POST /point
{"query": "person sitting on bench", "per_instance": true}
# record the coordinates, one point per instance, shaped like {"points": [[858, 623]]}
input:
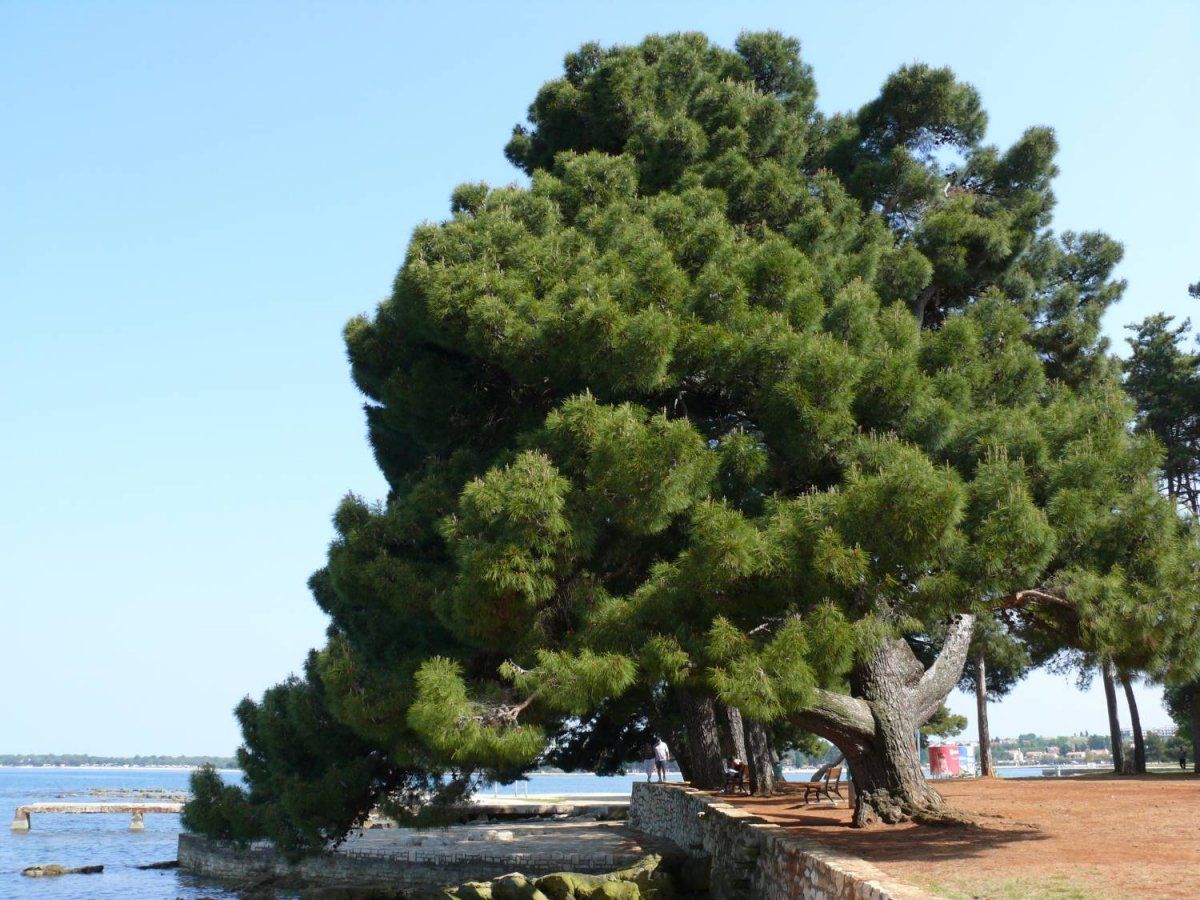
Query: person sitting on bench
{"points": [[735, 775]]}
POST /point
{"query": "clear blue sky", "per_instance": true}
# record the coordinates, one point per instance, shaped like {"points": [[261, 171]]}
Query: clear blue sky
{"points": [[194, 197]]}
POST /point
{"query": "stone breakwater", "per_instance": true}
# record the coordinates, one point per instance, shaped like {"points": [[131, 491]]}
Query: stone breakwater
{"points": [[420, 860], [752, 858]]}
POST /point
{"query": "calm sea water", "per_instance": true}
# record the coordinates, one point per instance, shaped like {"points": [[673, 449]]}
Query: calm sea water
{"points": [[83, 840], [86, 840]]}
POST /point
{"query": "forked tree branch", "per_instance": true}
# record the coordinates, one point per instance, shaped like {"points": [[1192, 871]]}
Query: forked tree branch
{"points": [[940, 678]]}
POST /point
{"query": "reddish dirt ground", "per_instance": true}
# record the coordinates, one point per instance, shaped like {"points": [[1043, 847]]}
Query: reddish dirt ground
{"points": [[1088, 836]]}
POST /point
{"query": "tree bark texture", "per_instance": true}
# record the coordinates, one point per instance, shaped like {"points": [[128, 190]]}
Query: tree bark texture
{"points": [[891, 696], [1135, 724], [1114, 720], [666, 722], [758, 744], [733, 735], [703, 740], [981, 707]]}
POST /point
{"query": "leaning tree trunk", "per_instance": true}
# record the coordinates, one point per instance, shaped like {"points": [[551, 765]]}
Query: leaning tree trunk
{"points": [[1114, 721], [762, 773], [892, 696], [985, 738], [1135, 723], [703, 740]]}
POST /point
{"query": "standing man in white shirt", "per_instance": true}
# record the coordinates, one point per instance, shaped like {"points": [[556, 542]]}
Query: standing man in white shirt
{"points": [[662, 753]]}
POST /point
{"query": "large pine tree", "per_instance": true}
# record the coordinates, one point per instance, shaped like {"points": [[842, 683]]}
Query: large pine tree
{"points": [[731, 407]]}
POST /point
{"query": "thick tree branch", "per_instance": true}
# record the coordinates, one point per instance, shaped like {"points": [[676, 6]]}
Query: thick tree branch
{"points": [[941, 677], [838, 717]]}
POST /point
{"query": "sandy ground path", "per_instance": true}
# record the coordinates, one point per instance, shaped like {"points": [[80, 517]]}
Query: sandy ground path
{"points": [[1082, 837]]}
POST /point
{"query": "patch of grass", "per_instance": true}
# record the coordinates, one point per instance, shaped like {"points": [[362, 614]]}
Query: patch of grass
{"points": [[1050, 887]]}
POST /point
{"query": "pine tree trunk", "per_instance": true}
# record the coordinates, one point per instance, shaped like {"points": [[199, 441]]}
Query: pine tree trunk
{"points": [[1196, 728], [703, 740], [985, 738], [683, 759], [889, 785], [892, 696], [1139, 742], [733, 735], [762, 774], [888, 780], [1114, 721]]}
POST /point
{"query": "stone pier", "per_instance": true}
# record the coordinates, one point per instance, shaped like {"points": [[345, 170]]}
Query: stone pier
{"points": [[136, 811]]}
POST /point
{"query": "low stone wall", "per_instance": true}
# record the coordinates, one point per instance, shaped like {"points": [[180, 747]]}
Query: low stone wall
{"points": [[219, 860], [753, 858], [388, 857]]}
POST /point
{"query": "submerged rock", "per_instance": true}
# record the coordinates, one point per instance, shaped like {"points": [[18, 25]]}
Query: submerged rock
{"points": [[52, 870], [574, 886], [472, 890]]}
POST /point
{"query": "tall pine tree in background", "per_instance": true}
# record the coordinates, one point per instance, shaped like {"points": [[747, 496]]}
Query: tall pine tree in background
{"points": [[735, 407], [1162, 376], [996, 663]]}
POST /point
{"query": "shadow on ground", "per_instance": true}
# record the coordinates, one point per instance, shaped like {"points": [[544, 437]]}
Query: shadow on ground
{"points": [[926, 843]]}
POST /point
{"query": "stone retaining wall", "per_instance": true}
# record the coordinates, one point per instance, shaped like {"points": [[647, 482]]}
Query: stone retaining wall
{"points": [[216, 859], [753, 858], [383, 861]]}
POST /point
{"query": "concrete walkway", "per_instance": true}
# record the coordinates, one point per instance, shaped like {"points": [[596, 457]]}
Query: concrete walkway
{"points": [[596, 807], [580, 846]]}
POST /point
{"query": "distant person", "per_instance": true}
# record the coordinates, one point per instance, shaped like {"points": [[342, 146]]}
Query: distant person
{"points": [[1183, 760], [648, 762], [662, 754]]}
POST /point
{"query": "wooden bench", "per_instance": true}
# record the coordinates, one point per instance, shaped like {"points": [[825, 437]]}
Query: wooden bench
{"points": [[828, 787]]}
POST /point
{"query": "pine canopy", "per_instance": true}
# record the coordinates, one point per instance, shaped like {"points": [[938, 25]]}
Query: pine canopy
{"points": [[728, 392]]}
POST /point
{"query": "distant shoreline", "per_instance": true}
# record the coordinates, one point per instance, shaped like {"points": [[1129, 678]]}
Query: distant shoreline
{"points": [[100, 761], [113, 766]]}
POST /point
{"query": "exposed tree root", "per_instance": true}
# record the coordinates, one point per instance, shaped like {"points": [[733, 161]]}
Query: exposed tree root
{"points": [[947, 817], [883, 807]]}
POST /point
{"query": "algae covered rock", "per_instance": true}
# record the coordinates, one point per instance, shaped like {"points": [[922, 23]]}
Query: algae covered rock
{"points": [[472, 890], [616, 890], [641, 881], [516, 887], [574, 886], [566, 885]]}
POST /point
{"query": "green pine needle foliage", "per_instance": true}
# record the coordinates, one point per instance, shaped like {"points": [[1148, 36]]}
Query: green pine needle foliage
{"points": [[727, 393]]}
